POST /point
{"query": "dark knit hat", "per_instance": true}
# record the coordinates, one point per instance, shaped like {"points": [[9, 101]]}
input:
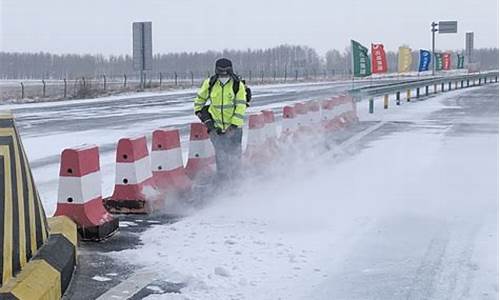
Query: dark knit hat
{"points": [[223, 66]]}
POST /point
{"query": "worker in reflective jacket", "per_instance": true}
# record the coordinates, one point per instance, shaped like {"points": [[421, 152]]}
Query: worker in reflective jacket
{"points": [[223, 116]]}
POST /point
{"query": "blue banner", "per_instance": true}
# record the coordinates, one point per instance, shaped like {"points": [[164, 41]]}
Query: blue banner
{"points": [[425, 60]]}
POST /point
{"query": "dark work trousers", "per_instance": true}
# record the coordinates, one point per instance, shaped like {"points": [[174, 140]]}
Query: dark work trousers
{"points": [[227, 154]]}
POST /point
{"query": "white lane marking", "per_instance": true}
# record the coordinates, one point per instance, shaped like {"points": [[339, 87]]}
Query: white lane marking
{"points": [[131, 286]]}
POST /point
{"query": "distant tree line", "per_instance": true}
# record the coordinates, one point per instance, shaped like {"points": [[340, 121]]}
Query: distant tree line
{"points": [[279, 61]]}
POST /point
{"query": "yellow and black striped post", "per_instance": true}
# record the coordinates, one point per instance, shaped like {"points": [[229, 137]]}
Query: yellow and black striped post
{"points": [[23, 225], [408, 95], [435, 89], [37, 255], [386, 101]]}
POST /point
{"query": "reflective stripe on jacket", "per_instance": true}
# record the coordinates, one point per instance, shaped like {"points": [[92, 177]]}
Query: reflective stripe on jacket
{"points": [[225, 108]]}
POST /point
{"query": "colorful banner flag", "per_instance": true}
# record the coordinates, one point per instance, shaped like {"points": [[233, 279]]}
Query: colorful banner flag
{"points": [[425, 60], [360, 60], [439, 61], [460, 61], [404, 59], [379, 60], [446, 61]]}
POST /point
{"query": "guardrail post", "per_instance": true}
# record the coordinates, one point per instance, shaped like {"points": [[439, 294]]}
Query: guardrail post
{"points": [[408, 95], [456, 85], [65, 88], [386, 101], [426, 90], [44, 87], [418, 92], [442, 86], [192, 78], [398, 98], [479, 81], [468, 83], [461, 84], [22, 90], [496, 78], [449, 86], [435, 88], [104, 83], [124, 80], [370, 106]]}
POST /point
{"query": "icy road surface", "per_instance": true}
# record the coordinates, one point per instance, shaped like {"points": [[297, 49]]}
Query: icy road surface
{"points": [[408, 211]]}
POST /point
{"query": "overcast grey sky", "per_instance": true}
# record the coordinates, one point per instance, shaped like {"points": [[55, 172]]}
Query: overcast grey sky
{"points": [[104, 26]]}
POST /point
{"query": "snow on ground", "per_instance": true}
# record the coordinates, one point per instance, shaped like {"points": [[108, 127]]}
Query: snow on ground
{"points": [[48, 128], [409, 212]]}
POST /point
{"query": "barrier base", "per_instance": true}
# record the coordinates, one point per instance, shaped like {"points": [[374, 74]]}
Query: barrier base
{"points": [[99, 233], [131, 206], [48, 274]]}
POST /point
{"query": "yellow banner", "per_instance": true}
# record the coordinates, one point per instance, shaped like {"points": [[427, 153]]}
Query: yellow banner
{"points": [[404, 59]]}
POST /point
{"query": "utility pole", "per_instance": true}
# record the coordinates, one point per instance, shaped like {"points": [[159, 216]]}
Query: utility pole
{"points": [[443, 27], [433, 30]]}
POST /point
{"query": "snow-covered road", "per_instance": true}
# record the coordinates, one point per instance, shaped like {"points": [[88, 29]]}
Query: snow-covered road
{"points": [[408, 211], [48, 128]]}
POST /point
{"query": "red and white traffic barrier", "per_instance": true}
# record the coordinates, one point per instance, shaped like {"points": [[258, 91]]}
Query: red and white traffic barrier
{"points": [[270, 132], [166, 162], [289, 123], [327, 114], [338, 113], [135, 190], [301, 113], [201, 159], [353, 112], [256, 140], [345, 109], [79, 193], [313, 114]]}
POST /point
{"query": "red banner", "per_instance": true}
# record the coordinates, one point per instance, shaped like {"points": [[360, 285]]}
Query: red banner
{"points": [[379, 61], [446, 61]]}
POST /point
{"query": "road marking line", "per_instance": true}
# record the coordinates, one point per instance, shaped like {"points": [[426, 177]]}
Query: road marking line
{"points": [[131, 286]]}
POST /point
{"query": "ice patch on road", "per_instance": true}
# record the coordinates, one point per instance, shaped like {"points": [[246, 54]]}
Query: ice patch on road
{"points": [[101, 278]]}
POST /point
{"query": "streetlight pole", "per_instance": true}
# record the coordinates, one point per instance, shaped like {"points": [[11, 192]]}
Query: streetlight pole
{"points": [[433, 30]]}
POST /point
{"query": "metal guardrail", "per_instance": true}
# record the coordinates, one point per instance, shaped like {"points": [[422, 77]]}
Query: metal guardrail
{"points": [[445, 83]]}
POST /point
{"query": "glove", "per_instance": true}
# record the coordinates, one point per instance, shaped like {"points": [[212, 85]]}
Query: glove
{"points": [[210, 126], [230, 129]]}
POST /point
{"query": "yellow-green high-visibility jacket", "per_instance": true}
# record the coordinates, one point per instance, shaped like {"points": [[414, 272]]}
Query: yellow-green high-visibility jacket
{"points": [[225, 107]]}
